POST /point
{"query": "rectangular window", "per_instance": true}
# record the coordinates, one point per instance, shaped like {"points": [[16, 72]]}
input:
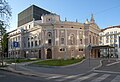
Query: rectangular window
{"points": [[107, 41], [115, 36], [111, 40], [31, 43], [115, 40], [111, 36], [62, 40], [28, 44], [39, 42], [29, 26], [81, 41], [115, 45], [35, 43], [116, 50], [107, 37], [107, 33], [111, 32], [49, 41]]}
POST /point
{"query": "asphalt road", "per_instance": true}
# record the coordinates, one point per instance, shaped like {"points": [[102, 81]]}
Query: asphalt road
{"points": [[94, 76], [11, 77], [97, 77], [105, 73], [72, 70]]}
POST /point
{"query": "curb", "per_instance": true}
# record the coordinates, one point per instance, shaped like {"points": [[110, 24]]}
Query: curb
{"points": [[98, 65], [61, 66], [19, 72], [73, 64], [92, 68], [26, 73]]}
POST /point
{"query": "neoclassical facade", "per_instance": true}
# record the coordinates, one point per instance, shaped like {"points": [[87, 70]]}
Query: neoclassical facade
{"points": [[48, 39], [51, 38]]}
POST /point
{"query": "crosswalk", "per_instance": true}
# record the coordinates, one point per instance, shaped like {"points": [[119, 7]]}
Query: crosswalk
{"points": [[90, 77]]}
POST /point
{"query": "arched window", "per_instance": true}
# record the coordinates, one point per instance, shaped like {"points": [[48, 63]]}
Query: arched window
{"points": [[35, 37], [49, 34]]}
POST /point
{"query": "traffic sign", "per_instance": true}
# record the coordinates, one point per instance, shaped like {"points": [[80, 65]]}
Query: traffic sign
{"points": [[89, 47], [15, 44]]}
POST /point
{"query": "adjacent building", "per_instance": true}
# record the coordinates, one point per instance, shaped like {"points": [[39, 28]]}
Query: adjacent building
{"points": [[43, 35], [111, 36]]}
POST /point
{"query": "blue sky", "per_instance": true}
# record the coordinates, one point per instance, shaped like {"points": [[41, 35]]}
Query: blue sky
{"points": [[106, 12]]}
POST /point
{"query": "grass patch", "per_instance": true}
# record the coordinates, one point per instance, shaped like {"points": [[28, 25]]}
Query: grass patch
{"points": [[60, 62]]}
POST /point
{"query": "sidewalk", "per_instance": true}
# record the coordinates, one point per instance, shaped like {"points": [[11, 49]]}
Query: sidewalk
{"points": [[78, 69], [112, 65]]}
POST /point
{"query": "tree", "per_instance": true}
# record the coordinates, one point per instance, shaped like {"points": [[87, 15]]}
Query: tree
{"points": [[5, 14], [5, 11]]}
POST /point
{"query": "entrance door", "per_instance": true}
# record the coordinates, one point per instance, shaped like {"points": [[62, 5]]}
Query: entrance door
{"points": [[24, 54], [49, 54], [99, 54], [40, 54]]}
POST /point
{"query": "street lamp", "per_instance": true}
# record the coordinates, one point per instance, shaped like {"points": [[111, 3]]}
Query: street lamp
{"points": [[89, 48]]}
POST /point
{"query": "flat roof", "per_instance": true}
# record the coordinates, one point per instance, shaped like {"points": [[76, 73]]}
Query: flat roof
{"points": [[102, 47]]}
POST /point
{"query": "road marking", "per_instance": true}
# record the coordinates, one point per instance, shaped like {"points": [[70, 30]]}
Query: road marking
{"points": [[54, 77], [107, 71], [112, 63], [67, 77], [116, 79], [84, 77], [101, 78]]}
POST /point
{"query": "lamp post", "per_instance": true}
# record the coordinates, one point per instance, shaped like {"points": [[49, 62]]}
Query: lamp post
{"points": [[89, 48]]}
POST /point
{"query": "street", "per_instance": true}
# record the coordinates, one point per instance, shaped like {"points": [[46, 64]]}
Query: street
{"points": [[98, 77], [11, 77], [89, 77], [108, 72]]}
